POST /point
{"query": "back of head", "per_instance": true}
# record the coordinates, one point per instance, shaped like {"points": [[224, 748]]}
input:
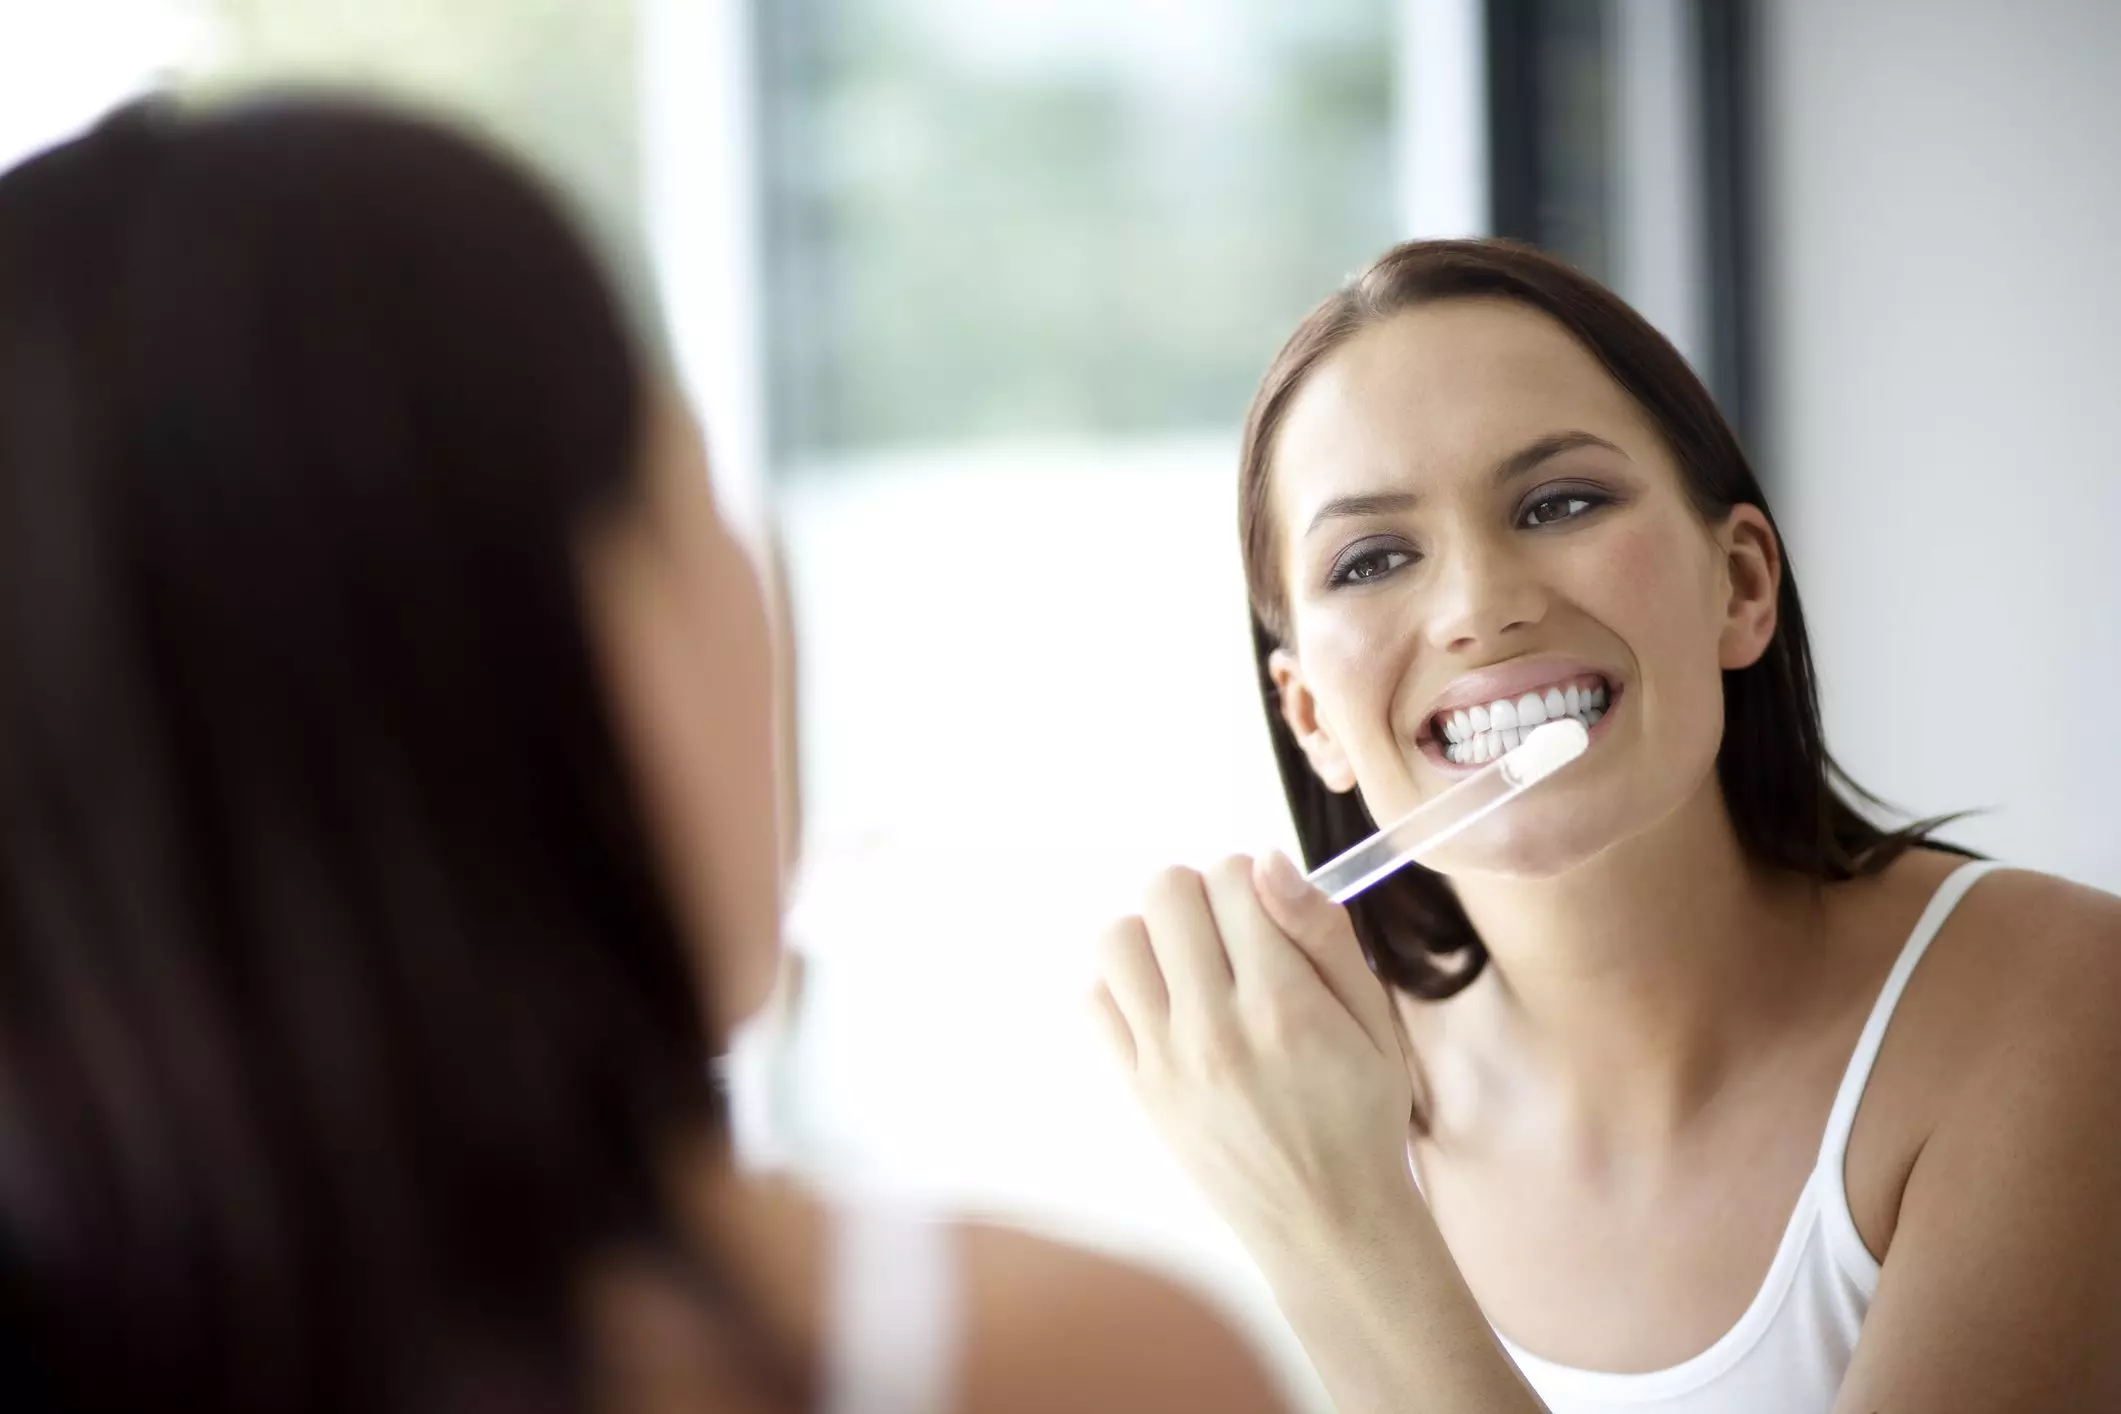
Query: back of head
{"points": [[341, 1015]]}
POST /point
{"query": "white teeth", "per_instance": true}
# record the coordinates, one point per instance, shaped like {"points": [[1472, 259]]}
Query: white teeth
{"points": [[1475, 735]]}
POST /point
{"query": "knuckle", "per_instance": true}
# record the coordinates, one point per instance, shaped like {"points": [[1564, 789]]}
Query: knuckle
{"points": [[1212, 1048], [1230, 878], [1278, 1025], [1172, 884], [1121, 936], [1121, 955]]}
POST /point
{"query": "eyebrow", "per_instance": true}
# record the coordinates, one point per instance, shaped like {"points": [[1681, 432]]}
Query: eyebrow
{"points": [[1511, 467]]}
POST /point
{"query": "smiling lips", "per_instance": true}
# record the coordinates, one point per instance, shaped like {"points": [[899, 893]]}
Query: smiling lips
{"points": [[1471, 735]]}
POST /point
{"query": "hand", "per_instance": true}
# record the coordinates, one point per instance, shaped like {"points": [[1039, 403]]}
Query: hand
{"points": [[1263, 1049]]}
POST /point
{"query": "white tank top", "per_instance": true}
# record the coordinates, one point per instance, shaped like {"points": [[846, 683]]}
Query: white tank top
{"points": [[1790, 1349], [896, 1312]]}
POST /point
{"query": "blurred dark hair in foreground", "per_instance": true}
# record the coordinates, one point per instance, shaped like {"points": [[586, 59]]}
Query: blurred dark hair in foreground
{"points": [[342, 1020]]}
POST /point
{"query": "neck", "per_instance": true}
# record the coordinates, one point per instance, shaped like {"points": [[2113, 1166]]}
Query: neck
{"points": [[1628, 989]]}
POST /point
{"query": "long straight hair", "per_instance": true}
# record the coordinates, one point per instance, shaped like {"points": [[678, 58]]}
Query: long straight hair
{"points": [[343, 1020], [1784, 791]]}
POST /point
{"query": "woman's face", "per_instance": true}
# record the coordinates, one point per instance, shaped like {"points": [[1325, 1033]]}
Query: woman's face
{"points": [[1476, 526], [682, 627]]}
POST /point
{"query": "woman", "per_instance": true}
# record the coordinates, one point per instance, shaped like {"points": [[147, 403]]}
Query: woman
{"points": [[387, 837], [1688, 1117]]}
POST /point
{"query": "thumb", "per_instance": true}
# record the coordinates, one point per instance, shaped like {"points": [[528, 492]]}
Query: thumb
{"points": [[1323, 930], [1296, 905]]}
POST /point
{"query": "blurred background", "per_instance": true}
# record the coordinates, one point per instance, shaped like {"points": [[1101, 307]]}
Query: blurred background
{"points": [[974, 295]]}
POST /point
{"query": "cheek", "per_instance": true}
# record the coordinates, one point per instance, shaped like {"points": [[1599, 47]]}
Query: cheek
{"points": [[1643, 572], [1654, 584], [1354, 660], [697, 710], [737, 793]]}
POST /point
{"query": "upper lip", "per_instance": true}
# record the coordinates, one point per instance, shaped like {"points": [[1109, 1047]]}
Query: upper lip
{"points": [[1509, 679]]}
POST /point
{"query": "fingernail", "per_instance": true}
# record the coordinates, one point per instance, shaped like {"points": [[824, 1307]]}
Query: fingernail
{"points": [[1279, 874]]}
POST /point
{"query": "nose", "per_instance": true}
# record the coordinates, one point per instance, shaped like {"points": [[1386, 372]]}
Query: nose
{"points": [[1482, 599]]}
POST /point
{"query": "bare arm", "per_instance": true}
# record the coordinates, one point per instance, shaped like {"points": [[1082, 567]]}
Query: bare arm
{"points": [[1388, 1321], [2001, 1292]]}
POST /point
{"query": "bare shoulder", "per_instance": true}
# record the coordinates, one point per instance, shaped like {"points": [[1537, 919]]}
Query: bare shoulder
{"points": [[1044, 1328], [2054, 957], [2019, 988], [2007, 1043], [2040, 953], [2018, 942], [2036, 963], [2024, 976], [1061, 1329]]}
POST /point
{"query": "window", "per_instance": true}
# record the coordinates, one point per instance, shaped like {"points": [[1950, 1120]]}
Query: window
{"points": [[557, 81], [1082, 221]]}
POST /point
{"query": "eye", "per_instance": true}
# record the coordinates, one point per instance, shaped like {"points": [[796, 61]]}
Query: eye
{"points": [[1559, 506], [1365, 563]]}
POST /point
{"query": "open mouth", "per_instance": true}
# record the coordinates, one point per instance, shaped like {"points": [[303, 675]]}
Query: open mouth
{"points": [[1475, 735]]}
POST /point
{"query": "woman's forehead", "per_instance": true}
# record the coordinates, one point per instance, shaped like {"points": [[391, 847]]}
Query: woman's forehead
{"points": [[1436, 393]]}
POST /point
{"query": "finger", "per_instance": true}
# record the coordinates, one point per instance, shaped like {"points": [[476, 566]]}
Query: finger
{"points": [[1261, 954], [1189, 950], [1110, 1023], [1322, 929], [1128, 974]]}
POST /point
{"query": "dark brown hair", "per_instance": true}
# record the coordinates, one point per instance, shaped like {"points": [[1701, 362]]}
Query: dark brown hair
{"points": [[344, 1023], [1783, 789]]}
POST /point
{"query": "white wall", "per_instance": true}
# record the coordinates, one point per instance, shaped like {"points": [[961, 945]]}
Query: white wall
{"points": [[63, 66], [1943, 202]]}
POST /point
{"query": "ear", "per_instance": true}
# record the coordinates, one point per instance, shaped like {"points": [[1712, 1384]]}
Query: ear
{"points": [[1299, 712], [1752, 561]]}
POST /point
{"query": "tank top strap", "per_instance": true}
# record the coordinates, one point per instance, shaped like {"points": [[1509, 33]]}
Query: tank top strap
{"points": [[1841, 1120], [895, 1310]]}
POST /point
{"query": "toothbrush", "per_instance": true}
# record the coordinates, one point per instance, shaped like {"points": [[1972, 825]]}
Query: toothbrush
{"points": [[1545, 750]]}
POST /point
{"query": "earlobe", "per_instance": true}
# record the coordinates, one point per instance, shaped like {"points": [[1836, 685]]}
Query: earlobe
{"points": [[1299, 713], [1753, 563]]}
